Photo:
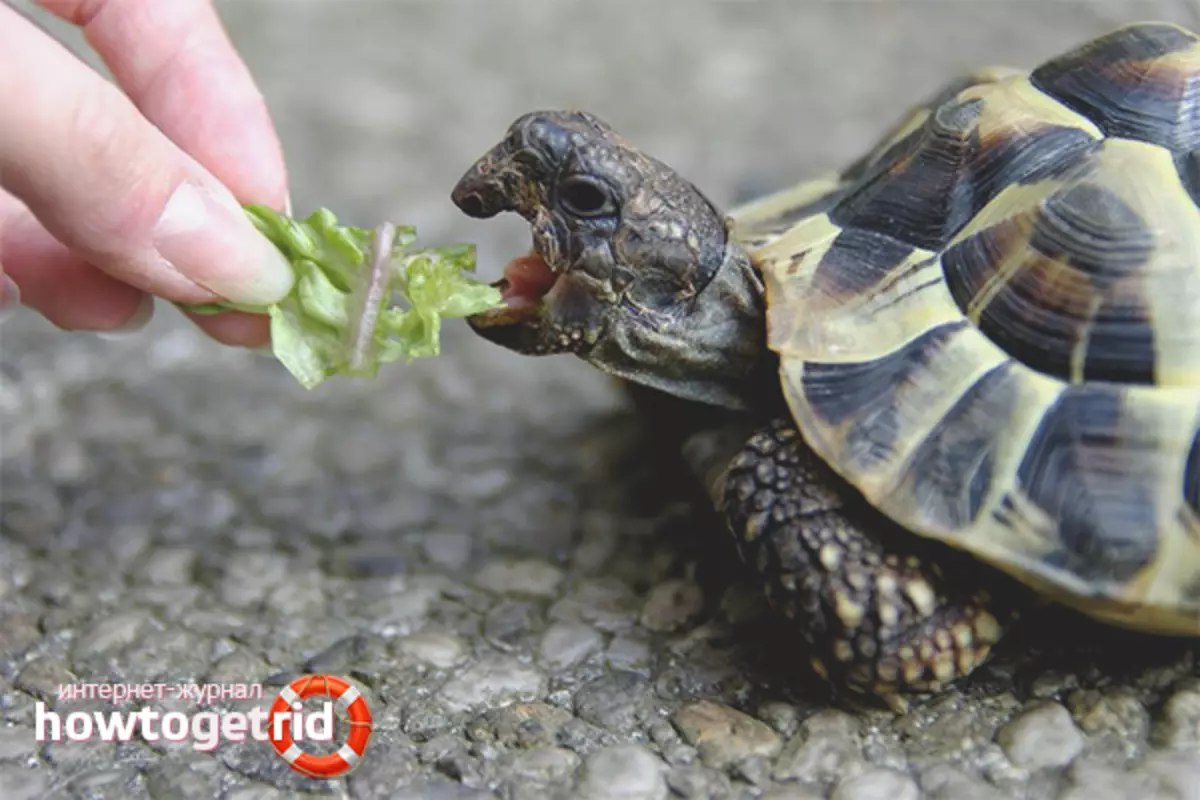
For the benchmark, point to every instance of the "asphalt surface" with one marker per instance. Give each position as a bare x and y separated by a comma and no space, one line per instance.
486,544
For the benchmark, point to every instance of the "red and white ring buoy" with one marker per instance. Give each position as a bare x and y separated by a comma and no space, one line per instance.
349,699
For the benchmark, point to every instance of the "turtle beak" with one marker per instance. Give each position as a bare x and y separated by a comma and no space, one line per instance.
486,188
495,184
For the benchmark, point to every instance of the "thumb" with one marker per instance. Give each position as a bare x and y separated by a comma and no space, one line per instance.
113,188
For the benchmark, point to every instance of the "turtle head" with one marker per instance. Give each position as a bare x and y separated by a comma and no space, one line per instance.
632,268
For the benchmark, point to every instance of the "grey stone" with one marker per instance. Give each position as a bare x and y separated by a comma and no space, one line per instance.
824,750
877,784
492,683
42,678
1179,726
1093,780
617,702
170,566
17,743
436,649
508,626
565,644
671,605
945,782
630,652
723,735
17,632
1177,773
1042,735
623,772
111,634
23,785
550,765
520,725
524,577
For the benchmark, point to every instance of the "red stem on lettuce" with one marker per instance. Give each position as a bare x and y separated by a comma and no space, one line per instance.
380,256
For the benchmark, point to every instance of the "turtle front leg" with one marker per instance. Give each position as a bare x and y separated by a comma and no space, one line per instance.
882,618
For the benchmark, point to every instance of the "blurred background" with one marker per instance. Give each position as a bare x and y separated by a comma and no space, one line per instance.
483,541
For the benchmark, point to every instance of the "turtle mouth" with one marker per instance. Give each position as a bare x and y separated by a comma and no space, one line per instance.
527,280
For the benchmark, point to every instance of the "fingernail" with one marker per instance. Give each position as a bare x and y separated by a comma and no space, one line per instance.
140,317
287,205
205,236
10,297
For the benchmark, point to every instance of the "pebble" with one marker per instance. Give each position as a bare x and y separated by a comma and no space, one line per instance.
17,744
439,650
170,566
945,782
671,605
606,603
615,701
629,652
1092,780
508,624
492,683
42,677
565,644
527,577
689,782
18,632
111,634
520,725
623,772
825,749
1119,711
1180,724
791,793
783,717
877,784
1043,735
725,736
23,785
251,576
449,550
553,765
1178,773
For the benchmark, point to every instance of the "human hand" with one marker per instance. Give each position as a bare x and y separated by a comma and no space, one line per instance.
108,198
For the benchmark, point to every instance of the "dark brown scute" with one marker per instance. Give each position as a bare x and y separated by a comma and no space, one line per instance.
921,197
1096,231
1121,83
951,170
1121,342
1191,476
1081,282
1086,467
857,260
952,469
866,391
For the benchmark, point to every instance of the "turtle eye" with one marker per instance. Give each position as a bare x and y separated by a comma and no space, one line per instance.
585,197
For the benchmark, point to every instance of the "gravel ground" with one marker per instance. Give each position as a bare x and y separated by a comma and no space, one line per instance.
531,605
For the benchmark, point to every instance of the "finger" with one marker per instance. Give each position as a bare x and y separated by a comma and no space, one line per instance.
176,63
235,329
69,292
114,189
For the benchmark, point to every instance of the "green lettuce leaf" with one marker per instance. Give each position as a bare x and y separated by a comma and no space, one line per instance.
362,298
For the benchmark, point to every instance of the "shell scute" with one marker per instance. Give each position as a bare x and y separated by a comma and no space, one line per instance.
1140,82
1090,468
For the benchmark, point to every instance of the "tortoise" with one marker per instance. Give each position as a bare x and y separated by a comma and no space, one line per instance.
978,344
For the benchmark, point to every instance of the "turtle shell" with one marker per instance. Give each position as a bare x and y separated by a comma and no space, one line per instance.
990,324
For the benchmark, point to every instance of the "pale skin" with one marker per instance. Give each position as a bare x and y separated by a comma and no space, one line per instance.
114,195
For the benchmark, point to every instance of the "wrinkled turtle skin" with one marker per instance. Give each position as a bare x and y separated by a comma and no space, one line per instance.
977,345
